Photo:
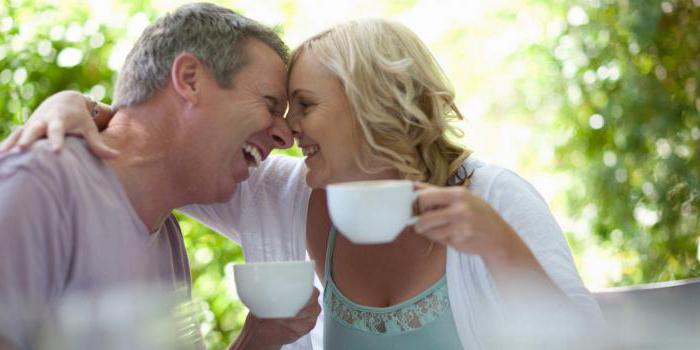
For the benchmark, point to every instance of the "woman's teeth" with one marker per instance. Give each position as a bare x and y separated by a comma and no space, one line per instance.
309,151
254,158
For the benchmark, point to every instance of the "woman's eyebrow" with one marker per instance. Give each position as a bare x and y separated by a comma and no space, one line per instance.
298,91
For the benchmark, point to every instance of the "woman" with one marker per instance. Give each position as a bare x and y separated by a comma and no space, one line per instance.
368,101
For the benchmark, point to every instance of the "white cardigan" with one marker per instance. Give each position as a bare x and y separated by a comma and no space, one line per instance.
267,216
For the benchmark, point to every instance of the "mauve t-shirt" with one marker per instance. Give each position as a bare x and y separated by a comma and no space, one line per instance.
66,228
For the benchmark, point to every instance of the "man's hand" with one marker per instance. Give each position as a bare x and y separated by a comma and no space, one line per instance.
66,112
273,333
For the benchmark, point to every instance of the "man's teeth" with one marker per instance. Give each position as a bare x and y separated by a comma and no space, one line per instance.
253,152
309,151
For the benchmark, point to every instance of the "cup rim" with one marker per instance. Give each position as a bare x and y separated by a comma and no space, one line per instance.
374,183
273,263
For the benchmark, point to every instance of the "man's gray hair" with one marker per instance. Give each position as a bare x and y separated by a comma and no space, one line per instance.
215,35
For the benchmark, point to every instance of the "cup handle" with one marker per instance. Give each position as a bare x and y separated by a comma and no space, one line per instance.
413,219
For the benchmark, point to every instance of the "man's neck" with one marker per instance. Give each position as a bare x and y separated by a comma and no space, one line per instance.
144,138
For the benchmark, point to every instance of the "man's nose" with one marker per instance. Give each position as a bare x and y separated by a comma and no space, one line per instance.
280,133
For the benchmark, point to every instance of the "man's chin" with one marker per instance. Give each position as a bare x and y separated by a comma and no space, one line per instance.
225,195
241,176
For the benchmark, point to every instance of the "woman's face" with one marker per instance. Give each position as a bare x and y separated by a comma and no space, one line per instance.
321,120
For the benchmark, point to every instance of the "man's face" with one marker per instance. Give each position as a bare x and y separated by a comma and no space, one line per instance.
229,118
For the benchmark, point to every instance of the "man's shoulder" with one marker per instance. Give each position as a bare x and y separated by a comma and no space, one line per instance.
71,164
70,176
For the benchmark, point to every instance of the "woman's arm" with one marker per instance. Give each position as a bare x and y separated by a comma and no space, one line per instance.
66,112
511,228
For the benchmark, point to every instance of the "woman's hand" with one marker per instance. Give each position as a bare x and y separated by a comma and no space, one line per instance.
66,112
456,217
263,334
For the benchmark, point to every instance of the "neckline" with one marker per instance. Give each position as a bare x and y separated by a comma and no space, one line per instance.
391,308
442,281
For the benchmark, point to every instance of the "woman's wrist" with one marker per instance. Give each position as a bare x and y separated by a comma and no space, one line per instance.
250,338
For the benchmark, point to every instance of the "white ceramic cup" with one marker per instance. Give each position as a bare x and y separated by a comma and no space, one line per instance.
274,289
371,212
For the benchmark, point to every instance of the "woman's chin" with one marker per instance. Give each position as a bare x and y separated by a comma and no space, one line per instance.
314,182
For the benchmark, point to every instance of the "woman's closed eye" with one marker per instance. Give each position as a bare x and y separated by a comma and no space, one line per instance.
305,104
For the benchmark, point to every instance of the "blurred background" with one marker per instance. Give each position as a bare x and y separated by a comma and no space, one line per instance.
595,102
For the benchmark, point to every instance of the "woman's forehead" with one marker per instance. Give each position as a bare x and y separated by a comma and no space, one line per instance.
310,73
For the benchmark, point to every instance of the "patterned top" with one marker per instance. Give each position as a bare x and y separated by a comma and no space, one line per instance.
420,322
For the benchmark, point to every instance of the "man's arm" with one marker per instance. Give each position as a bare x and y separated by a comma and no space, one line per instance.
32,254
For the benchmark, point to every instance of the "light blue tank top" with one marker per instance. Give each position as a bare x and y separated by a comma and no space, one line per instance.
422,322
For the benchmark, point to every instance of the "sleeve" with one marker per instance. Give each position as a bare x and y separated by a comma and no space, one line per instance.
32,252
227,218
220,217
267,192
519,203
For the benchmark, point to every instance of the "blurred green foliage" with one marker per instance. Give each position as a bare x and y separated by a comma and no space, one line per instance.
621,79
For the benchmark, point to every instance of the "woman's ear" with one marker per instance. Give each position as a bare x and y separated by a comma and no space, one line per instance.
186,76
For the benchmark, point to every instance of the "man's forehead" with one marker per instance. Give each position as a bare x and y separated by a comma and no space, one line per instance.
277,88
266,83
265,73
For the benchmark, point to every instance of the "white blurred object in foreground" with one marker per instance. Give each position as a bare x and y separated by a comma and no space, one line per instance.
130,318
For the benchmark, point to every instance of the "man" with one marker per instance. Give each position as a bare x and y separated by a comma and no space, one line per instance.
197,84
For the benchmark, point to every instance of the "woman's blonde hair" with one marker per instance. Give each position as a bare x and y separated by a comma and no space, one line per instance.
401,99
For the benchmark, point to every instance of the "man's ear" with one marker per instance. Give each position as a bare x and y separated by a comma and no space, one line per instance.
187,74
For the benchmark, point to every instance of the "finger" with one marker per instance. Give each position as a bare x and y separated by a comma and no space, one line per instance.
32,133
314,296
432,220
11,140
440,197
440,234
55,133
314,310
301,327
98,146
310,310
313,299
417,185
